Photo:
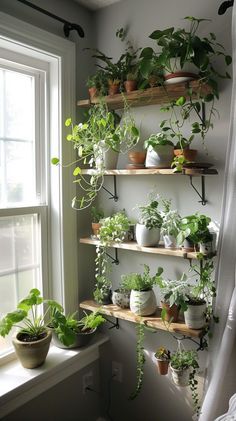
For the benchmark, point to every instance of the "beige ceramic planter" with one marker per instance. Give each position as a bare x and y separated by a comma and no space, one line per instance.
32,354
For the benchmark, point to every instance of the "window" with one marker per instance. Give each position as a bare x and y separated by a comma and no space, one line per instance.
38,240
23,198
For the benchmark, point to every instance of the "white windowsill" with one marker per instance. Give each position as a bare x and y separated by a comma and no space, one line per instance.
19,385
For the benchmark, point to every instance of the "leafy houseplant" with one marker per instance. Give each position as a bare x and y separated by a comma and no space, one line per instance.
150,221
33,339
98,142
174,295
170,225
195,228
184,365
162,356
97,84
160,151
68,332
97,215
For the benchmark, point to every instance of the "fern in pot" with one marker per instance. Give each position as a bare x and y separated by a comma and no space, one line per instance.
149,227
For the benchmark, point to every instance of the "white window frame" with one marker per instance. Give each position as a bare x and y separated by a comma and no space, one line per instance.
23,38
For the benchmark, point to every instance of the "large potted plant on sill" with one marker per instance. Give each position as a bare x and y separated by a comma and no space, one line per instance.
32,342
149,226
160,151
69,332
142,298
98,142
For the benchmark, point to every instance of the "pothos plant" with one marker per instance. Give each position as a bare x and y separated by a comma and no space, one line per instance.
113,229
102,131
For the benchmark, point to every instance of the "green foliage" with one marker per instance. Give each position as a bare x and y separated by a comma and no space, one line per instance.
97,214
158,139
162,353
33,323
150,216
140,360
114,228
141,282
194,227
175,292
99,81
170,220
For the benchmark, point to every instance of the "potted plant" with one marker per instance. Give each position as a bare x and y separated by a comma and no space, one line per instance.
184,365
199,300
113,229
97,215
98,142
162,356
170,227
160,151
121,297
150,69
33,339
130,83
194,229
69,332
142,297
174,294
150,222
97,84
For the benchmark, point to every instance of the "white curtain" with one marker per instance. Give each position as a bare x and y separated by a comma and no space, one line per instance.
222,352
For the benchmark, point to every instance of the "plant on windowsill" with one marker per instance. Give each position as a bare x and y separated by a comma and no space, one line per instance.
98,142
69,332
32,341
162,356
184,365
150,222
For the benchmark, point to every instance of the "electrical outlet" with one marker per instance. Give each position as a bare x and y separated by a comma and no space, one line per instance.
87,381
117,371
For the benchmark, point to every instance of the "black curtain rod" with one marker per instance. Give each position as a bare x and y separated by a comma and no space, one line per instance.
67,25
224,6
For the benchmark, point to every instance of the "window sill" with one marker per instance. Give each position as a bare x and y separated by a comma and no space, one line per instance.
19,385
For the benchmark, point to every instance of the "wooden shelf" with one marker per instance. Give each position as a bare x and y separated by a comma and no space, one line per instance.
148,171
151,96
133,246
153,321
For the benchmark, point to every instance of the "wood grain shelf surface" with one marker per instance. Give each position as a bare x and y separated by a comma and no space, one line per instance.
153,321
146,171
133,246
150,96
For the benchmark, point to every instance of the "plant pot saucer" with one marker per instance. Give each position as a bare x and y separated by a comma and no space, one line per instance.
198,165
134,166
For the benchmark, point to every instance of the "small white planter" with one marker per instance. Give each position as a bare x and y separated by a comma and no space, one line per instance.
105,157
169,241
160,157
194,316
147,237
180,377
143,303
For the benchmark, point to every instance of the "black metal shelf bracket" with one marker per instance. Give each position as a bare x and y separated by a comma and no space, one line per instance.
112,195
114,325
202,195
114,260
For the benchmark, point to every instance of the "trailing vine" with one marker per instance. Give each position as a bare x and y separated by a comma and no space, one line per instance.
140,360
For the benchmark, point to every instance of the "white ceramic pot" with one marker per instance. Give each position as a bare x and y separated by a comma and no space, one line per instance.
147,237
160,157
143,303
169,241
177,74
194,316
180,377
105,157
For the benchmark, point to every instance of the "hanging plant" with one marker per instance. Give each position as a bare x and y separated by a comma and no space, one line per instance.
140,360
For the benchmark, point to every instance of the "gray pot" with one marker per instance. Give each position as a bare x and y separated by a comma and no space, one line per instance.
147,237
180,377
195,316
105,157
160,157
32,354
143,303
82,339
121,298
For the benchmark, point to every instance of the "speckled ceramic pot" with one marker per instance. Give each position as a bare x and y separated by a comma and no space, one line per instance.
121,298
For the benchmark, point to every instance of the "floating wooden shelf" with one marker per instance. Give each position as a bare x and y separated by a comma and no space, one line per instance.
153,321
151,96
133,246
148,171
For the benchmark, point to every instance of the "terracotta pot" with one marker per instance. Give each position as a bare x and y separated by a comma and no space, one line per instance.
137,157
162,366
113,89
95,228
130,85
189,154
92,92
32,354
172,313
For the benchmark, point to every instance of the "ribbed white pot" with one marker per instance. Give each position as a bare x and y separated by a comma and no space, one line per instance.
180,377
195,317
143,303
159,157
147,237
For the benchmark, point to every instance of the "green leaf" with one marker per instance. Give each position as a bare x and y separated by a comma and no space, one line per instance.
69,137
228,60
181,100
55,161
68,122
147,52
77,171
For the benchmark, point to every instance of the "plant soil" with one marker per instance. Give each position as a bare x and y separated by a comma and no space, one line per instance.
25,337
